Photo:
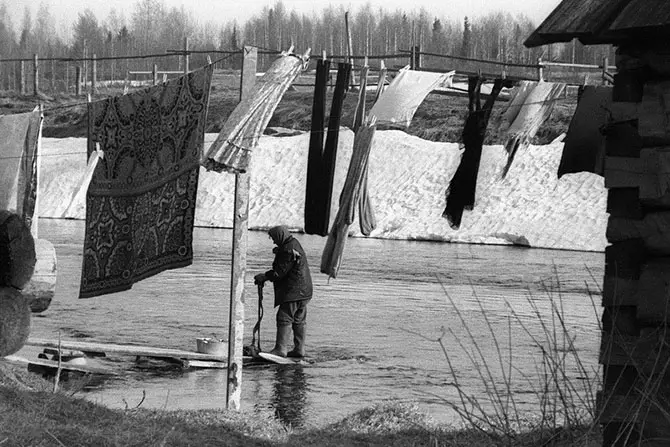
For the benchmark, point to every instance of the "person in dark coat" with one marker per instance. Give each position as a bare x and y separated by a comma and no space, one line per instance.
293,289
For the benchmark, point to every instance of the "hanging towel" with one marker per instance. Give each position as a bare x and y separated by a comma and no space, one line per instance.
463,185
535,110
585,143
404,95
231,150
19,161
366,215
516,102
141,200
332,252
78,202
329,158
315,187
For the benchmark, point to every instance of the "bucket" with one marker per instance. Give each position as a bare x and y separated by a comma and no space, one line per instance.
212,346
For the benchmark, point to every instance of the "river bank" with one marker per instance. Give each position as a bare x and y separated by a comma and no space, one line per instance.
32,414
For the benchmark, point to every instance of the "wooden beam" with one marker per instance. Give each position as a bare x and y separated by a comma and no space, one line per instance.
653,229
650,173
650,294
239,258
648,354
134,350
654,113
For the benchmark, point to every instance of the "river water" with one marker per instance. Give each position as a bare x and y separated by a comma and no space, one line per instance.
371,332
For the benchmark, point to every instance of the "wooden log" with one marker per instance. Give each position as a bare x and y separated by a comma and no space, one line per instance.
650,173
41,288
654,113
622,139
637,408
17,251
628,86
624,259
647,353
624,202
653,229
14,321
650,294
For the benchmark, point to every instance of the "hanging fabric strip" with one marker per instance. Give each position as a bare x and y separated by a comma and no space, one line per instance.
585,143
535,110
331,258
514,105
366,215
404,95
381,81
315,223
140,203
231,151
20,136
330,151
463,185
77,204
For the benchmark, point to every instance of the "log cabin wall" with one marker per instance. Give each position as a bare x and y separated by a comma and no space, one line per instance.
634,404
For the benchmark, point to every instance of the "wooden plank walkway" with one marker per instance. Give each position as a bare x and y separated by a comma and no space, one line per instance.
65,366
112,348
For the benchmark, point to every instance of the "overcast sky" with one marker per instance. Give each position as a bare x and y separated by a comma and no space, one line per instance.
65,11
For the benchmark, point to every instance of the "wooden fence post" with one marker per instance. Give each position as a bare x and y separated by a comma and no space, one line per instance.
604,76
239,258
154,74
186,56
94,74
77,85
36,75
540,69
67,77
22,78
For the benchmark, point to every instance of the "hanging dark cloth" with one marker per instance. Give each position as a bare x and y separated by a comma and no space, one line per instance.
461,191
140,204
320,206
585,143
314,190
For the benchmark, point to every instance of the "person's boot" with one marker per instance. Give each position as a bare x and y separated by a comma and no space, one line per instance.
281,345
298,341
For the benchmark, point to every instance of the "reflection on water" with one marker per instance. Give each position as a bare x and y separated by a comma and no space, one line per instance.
289,398
371,332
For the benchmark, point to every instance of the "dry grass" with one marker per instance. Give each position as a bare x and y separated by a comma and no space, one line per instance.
439,118
566,407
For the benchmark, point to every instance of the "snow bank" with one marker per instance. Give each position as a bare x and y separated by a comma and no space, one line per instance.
408,178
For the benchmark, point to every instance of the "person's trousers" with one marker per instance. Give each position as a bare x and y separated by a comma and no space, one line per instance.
292,313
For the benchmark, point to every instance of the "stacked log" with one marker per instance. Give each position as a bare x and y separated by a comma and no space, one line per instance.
41,288
17,251
635,399
14,320
17,263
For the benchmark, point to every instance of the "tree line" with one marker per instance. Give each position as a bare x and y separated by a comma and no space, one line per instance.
152,28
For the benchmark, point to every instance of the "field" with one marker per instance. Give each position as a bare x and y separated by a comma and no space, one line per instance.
439,118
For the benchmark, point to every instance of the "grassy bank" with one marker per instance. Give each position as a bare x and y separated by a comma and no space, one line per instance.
32,415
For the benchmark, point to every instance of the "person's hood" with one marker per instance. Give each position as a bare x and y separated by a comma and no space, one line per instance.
279,235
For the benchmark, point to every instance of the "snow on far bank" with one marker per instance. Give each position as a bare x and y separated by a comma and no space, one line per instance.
408,178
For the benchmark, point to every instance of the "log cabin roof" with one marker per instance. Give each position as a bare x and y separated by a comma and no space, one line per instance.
603,21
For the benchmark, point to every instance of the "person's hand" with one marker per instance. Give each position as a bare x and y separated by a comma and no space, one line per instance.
260,279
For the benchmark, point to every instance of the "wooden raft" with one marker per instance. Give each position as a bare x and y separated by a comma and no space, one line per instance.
635,345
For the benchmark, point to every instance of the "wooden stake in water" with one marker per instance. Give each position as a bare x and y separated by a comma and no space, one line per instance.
239,258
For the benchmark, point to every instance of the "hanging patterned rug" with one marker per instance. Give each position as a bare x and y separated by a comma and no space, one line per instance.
141,200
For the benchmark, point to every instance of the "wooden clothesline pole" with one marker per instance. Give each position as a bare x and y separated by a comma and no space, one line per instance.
239,258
